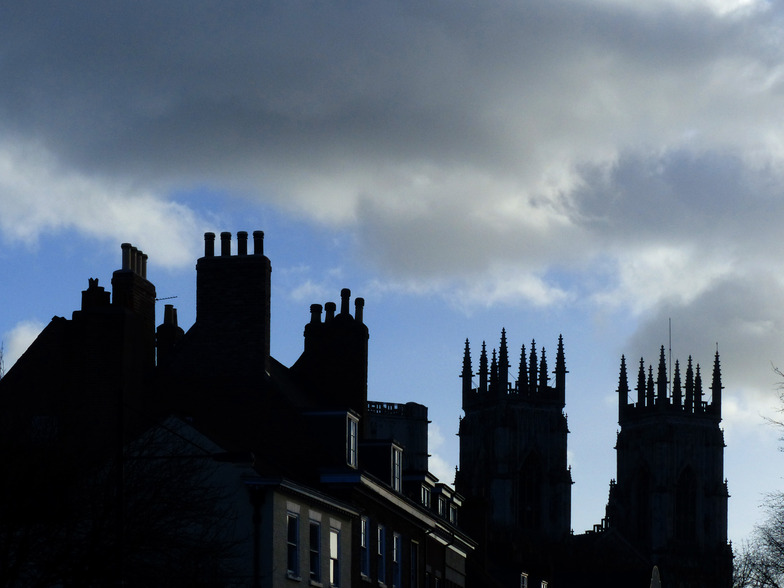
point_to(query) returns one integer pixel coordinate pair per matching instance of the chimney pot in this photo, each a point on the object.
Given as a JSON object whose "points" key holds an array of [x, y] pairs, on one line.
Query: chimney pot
{"points": [[258, 242], [345, 294], [315, 313], [209, 244], [242, 243], [144, 265], [126, 256], [359, 305], [169, 316], [330, 308], [225, 243], [134, 260]]}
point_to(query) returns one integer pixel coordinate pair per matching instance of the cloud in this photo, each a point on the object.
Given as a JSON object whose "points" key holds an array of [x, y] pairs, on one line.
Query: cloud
{"points": [[38, 195], [438, 465], [622, 154], [18, 340]]}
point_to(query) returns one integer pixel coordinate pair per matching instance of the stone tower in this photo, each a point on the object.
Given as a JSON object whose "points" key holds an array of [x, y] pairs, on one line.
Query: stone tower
{"points": [[670, 498], [513, 469]]}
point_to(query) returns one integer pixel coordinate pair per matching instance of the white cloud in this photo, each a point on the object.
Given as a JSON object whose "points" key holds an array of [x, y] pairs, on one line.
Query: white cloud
{"points": [[440, 467], [38, 195], [18, 339]]}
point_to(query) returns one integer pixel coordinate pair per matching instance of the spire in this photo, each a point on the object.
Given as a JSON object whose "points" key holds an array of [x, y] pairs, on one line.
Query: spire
{"points": [[716, 386], [698, 391], [494, 375], [649, 388], [522, 377], [503, 365], [533, 368], [467, 373], [543, 376], [689, 387], [623, 390], [677, 394], [483, 369], [661, 379], [641, 384], [560, 370]]}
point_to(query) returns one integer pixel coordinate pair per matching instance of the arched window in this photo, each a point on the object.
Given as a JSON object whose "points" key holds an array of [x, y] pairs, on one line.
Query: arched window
{"points": [[530, 493], [642, 504], [686, 506]]}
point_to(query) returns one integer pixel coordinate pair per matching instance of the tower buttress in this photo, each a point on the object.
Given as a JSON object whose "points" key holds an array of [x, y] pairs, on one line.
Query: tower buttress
{"points": [[641, 384], [483, 369], [623, 391], [677, 393], [494, 375], [716, 386], [503, 366], [661, 379], [649, 399], [543, 376], [522, 377], [467, 373], [560, 370], [689, 386], [698, 391], [533, 369]]}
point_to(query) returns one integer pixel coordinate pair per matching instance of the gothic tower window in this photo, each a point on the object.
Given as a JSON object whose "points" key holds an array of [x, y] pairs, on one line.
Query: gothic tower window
{"points": [[686, 506], [530, 493], [642, 492]]}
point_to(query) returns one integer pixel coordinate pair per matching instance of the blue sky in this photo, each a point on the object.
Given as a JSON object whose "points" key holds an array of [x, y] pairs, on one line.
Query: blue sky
{"points": [[585, 168]]}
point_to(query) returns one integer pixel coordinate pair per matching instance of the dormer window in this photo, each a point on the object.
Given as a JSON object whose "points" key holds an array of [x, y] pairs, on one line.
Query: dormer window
{"points": [[425, 496], [397, 469], [352, 440]]}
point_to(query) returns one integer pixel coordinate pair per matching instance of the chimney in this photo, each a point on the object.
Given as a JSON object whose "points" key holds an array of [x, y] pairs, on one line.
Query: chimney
{"points": [[233, 299], [132, 292], [334, 362], [242, 243], [209, 244]]}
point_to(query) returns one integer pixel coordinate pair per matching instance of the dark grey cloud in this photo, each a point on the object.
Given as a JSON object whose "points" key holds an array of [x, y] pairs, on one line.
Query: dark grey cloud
{"points": [[451, 136]]}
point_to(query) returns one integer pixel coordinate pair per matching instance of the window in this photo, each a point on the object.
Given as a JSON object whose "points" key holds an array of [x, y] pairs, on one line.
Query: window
{"points": [[414, 570], [523, 580], [292, 545], [351, 441], [397, 468], [334, 557], [442, 506], [315, 551], [453, 514], [397, 545], [381, 545], [426, 496], [364, 547]]}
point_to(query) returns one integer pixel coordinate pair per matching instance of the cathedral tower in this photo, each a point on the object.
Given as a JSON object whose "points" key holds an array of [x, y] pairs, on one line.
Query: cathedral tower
{"points": [[670, 498], [513, 469]]}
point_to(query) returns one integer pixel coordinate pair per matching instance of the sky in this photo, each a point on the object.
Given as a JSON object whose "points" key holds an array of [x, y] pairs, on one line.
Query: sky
{"points": [[600, 169]]}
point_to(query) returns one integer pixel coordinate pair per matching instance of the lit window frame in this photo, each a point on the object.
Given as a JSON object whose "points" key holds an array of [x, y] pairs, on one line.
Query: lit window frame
{"points": [[397, 549], [292, 545], [397, 469], [334, 557], [352, 441], [426, 496], [315, 551], [364, 547], [381, 548]]}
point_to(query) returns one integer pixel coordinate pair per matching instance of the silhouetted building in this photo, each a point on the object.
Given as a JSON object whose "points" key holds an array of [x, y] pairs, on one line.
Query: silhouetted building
{"points": [[667, 508], [513, 469], [301, 479]]}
